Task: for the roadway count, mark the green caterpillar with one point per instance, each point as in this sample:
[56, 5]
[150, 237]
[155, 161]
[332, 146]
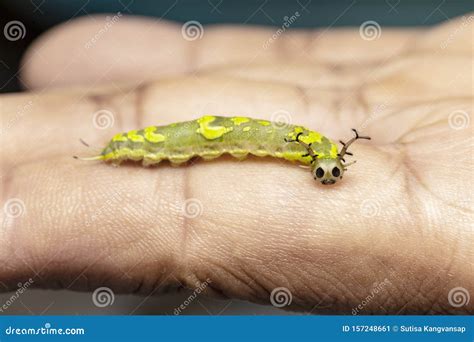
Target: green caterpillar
[211, 136]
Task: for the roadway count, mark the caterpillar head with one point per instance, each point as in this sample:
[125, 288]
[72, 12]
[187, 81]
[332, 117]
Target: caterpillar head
[328, 171]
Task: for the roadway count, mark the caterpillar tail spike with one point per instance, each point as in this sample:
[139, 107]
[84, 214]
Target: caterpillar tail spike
[211, 136]
[89, 158]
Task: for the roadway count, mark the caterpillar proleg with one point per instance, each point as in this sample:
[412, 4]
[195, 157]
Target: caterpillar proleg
[211, 136]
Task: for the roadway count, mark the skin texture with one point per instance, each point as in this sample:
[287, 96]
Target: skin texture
[402, 215]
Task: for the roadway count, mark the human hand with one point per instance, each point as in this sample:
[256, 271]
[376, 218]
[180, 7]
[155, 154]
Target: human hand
[401, 217]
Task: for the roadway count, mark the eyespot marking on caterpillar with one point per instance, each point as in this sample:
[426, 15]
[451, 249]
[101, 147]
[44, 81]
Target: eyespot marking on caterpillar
[211, 132]
[211, 136]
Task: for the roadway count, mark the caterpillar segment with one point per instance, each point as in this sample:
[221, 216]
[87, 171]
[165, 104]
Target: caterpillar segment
[212, 136]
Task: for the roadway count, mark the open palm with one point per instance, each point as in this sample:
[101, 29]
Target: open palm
[400, 222]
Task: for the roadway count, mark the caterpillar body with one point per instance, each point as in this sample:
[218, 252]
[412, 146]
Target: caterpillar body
[211, 136]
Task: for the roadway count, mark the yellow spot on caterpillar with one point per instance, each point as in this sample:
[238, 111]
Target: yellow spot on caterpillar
[109, 156]
[294, 156]
[294, 133]
[312, 137]
[298, 129]
[246, 129]
[119, 137]
[133, 136]
[125, 153]
[238, 120]
[333, 152]
[211, 132]
[264, 122]
[153, 137]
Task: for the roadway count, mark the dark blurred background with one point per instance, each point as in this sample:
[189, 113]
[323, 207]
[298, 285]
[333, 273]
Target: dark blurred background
[39, 15]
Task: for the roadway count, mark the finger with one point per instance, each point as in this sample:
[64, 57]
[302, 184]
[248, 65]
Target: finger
[95, 116]
[100, 49]
[452, 37]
